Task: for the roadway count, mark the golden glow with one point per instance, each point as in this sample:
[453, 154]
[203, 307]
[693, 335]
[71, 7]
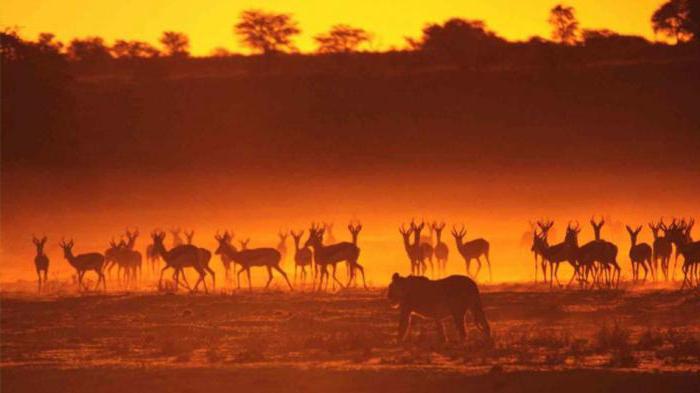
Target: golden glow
[209, 23]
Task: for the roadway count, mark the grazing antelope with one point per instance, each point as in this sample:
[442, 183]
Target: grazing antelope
[41, 261]
[258, 257]
[302, 256]
[661, 249]
[561, 252]
[189, 236]
[355, 228]
[177, 239]
[539, 242]
[85, 262]
[179, 258]
[473, 249]
[412, 250]
[640, 254]
[441, 251]
[332, 254]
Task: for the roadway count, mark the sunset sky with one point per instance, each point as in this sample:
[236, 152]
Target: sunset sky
[209, 22]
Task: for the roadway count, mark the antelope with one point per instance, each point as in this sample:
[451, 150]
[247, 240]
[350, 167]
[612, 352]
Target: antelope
[282, 245]
[302, 256]
[325, 255]
[661, 248]
[153, 258]
[426, 248]
[83, 263]
[189, 235]
[560, 252]
[602, 252]
[640, 253]
[691, 256]
[675, 233]
[258, 257]
[329, 238]
[441, 251]
[355, 229]
[177, 239]
[132, 258]
[473, 249]
[244, 243]
[412, 250]
[539, 243]
[41, 261]
[178, 258]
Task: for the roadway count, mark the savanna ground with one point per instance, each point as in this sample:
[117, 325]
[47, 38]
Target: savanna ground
[624, 340]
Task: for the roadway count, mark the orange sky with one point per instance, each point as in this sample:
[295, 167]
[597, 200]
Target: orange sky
[209, 22]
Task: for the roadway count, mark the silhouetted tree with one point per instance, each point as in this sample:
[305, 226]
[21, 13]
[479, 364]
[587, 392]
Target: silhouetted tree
[341, 39]
[88, 49]
[47, 43]
[267, 32]
[175, 44]
[463, 41]
[562, 18]
[133, 49]
[675, 19]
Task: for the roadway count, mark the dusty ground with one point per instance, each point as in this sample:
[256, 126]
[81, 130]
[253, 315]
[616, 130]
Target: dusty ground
[278, 341]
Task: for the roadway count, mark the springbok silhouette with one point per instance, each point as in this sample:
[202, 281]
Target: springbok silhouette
[302, 256]
[427, 250]
[282, 245]
[178, 258]
[599, 251]
[355, 227]
[539, 243]
[269, 258]
[661, 249]
[331, 255]
[413, 250]
[440, 250]
[189, 236]
[83, 263]
[640, 254]
[561, 252]
[473, 249]
[41, 262]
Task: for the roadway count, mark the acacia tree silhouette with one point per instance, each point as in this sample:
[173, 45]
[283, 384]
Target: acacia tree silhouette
[267, 32]
[678, 19]
[341, 39]
[176, 44]
[133, 49]
[88, 49]
[562, 18]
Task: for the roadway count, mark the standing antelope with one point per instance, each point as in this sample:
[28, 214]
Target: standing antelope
[662, 248]
[560, 252]
[41, 261]
[441, 251]
[132, 258]
[325, 255]
[177, 239]
[282, 245]
[178, 258]
[302, 257]
[599, 251]
[355, 228]
[189, 236]
[427, 250]
[412, 250]
[539, 243]
[85, 262]
[473, 249]
[263, 257]
[640, 253]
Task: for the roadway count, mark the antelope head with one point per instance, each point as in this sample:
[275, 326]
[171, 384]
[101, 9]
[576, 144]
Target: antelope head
[67, 247]
[354, 227]
[189, 235]
[224, 242]
[459, 234]
[39, 243]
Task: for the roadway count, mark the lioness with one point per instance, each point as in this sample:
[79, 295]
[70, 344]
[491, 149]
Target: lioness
[437, 299]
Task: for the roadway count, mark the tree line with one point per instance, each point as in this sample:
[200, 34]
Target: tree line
[270, 33]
